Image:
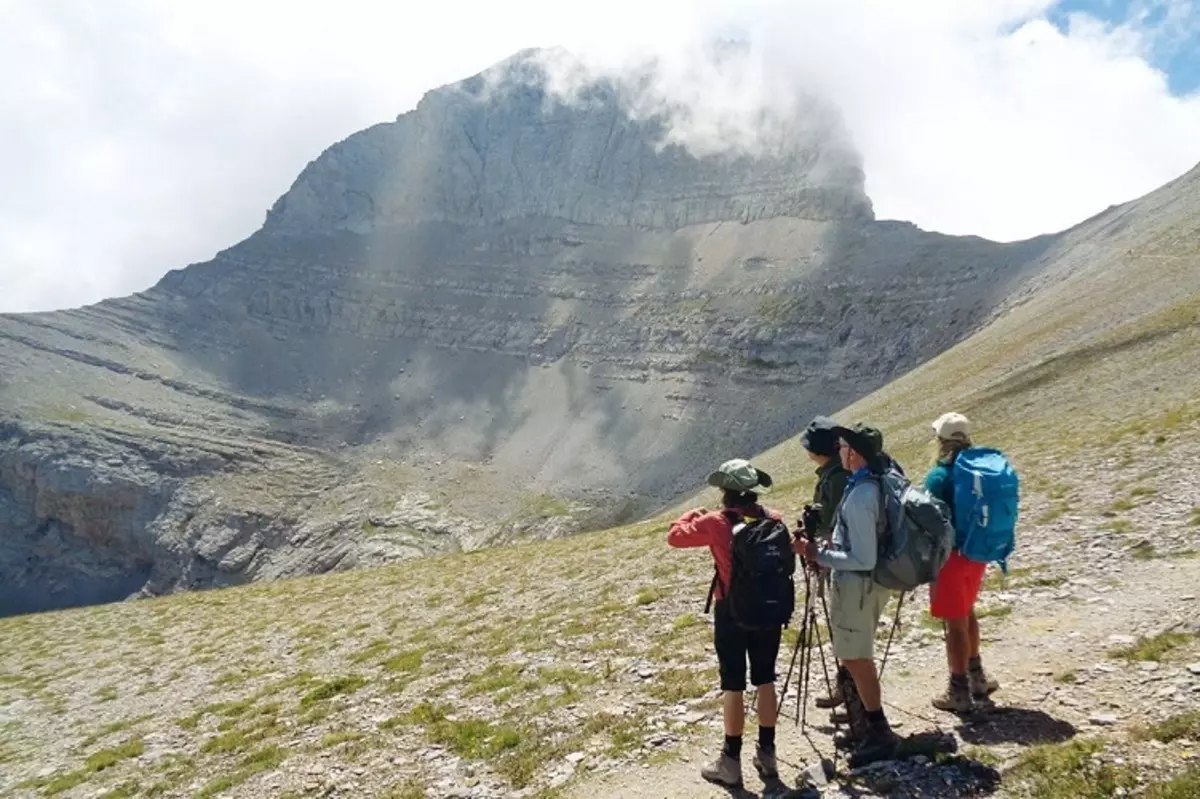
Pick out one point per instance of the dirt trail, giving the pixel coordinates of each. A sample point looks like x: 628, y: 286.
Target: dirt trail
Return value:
x: 1055, y: 631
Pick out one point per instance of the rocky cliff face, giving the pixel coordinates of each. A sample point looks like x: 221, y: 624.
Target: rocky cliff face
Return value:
x: 501, y: 147
x: 498, y: 316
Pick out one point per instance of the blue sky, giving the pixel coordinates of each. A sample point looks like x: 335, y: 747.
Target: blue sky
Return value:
x: 1176, y: 23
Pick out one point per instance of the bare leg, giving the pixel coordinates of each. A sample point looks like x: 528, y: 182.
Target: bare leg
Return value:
x: 767, y: 708
x: 958, y: 644
x: 866, y: 680
x: 735, y: 712
x: 973, y: 631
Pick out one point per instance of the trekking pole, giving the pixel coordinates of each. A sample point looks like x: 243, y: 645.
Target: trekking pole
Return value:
x: 895, y: 625
x: 807, y: 674
x: 796, y: 649
x: 825, y: 666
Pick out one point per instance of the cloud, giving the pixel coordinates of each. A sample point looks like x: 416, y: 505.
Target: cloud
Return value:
x: 136, y: 136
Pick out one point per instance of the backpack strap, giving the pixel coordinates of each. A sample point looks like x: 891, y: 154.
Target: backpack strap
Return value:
x: 734, y: 518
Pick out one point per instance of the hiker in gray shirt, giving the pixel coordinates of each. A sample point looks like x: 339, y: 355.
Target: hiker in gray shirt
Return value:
x: 857, y: 601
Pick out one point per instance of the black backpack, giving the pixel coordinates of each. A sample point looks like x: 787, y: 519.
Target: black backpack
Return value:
x: 761, y: 594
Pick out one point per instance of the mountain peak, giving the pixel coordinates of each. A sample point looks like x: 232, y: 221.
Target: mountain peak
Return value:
x: 537, y: 136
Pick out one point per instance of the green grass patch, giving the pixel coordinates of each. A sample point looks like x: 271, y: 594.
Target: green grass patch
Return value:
x: 372, y: 651
x: 1068, y: 677
x: 687, y: 621
x: 126, y: 790
x: 647, y: 596
x: 266, y: 759
x: 994, y: 612
x: 675, y: 685
x: 1068, y: 771
x: 1119, y: 526
x: 107, y: 694
x: 1185, y: 785
x: 493, y: 680
x: 405, y: 662
x: 107, y: 758
x: 1175, y: 728
x: 1123, y: 505
x: 412, y: 788
x: 95, y: 763
x: 112, y: 729
x: 338, y: 738
x: 1153, y: 648
x: 336, y: 687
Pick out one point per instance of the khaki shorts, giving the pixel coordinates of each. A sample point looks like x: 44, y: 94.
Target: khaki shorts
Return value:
x: 856, y: 603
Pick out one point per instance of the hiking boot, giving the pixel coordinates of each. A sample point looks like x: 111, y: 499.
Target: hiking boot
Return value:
x: 982, y: 686
x: 955, y: 699
x: 879, y: 744
x: 764, y: 763
x: 835, y: 699
x: 725, y: 770
x: 839, y: 717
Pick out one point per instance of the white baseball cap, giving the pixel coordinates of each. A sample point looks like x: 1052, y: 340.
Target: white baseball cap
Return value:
x: 952, y: 427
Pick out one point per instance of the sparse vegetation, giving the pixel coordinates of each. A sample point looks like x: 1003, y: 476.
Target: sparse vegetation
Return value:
x: 1179, y: 727
x: 335, y: 687
x: 1070, y: 771
x: 1152, y: 648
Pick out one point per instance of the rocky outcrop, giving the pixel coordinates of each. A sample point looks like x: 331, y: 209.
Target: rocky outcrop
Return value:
x: 500, y: 316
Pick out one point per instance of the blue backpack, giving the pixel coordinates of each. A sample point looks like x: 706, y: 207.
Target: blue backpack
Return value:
x: 986, y: 497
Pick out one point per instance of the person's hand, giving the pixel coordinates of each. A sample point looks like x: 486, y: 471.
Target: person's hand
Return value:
x: 807, y: 549
x: 694, y: 513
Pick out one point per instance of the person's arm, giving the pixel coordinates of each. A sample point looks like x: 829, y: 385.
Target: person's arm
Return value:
x: 937, y: 483
x: 860, y: 514
x: 692, y: 529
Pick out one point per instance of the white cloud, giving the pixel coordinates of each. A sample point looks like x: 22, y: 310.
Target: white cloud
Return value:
x: 138, y: 136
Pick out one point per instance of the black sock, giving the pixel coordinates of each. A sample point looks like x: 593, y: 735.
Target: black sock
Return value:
x: 959, y: 680
x: 766, y: 739
x: 876, y: 716
x: 975, y: 664
x: 733, y: 746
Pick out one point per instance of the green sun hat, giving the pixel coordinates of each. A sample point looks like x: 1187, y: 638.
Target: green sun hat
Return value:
x: 739, y: 475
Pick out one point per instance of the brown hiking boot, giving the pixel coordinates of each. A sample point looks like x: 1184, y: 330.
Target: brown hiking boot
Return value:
x: 835, y: 699
x: 982, y: 686
x: 955, y: 699
x: 879, y: 744
x: 725, y: 770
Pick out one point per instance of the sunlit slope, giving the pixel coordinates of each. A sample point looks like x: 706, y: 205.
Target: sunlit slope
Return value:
x: 1099, y: 352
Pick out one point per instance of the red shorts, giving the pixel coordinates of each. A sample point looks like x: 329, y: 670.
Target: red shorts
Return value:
x: 957, y: 587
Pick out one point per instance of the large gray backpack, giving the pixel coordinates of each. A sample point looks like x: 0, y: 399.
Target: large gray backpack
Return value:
x: 916, y: 534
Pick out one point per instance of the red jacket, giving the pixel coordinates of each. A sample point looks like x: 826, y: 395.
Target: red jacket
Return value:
x: 713, y: 529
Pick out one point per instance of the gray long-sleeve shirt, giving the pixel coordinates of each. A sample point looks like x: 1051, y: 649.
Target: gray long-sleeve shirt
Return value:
x: 855, y: 536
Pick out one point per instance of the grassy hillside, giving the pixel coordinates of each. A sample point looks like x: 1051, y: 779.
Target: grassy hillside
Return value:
x: 554, y: 667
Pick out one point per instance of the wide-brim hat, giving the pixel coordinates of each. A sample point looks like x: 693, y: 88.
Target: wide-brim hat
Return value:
x: 739, y: 475
x: 863, y: 439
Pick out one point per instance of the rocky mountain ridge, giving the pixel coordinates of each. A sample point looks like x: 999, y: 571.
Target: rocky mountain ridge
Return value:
x: 500, y: 316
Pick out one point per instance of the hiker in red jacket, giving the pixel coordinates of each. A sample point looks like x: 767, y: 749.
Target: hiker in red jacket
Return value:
x: 739, y: 483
